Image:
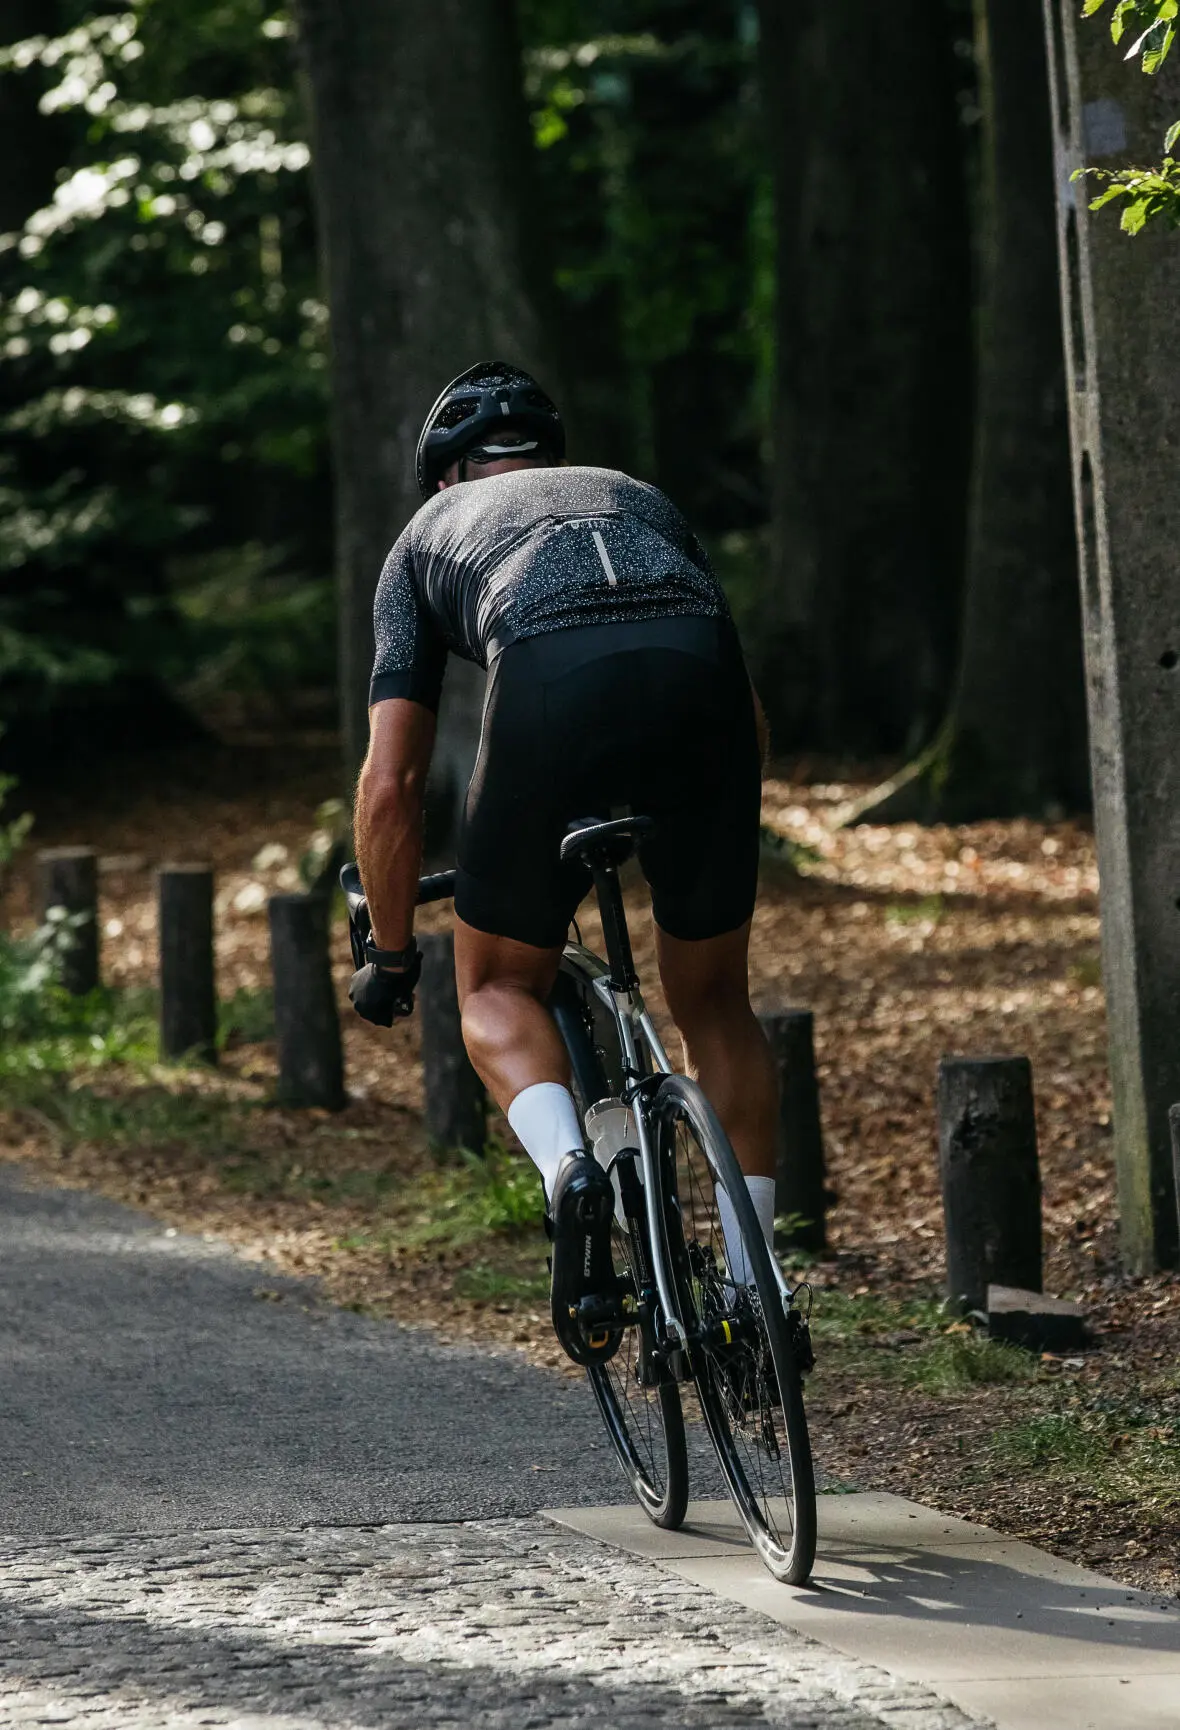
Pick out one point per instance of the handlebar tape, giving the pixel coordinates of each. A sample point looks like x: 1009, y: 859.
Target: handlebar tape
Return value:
x: 440, y: 887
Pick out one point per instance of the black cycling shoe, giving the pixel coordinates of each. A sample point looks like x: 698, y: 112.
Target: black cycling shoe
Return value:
x: 581, y: 1209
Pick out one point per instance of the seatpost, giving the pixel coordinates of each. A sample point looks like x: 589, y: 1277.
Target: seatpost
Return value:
x: 623, y: 976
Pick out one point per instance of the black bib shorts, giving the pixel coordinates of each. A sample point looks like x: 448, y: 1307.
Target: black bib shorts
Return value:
x: 652, y: 717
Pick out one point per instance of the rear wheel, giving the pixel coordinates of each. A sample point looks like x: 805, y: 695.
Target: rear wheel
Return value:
x: 743, y: 1361
x: 638, y: 1399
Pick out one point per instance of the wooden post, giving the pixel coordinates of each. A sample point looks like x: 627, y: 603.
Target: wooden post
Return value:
x: 68, y: 877
x: 188, y: 994
x: 800, y: 1190
x: 1122, y: 343
x: 456, y: 1105
x: 307, y: 1026
x: 991, y: 1181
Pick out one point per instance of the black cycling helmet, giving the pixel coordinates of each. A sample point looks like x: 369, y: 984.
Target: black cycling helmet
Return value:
x: 485, y: 397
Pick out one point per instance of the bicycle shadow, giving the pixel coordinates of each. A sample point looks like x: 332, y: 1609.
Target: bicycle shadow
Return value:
x: 968, y: 1586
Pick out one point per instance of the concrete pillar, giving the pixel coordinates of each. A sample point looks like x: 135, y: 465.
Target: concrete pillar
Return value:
x: 1122, y: 343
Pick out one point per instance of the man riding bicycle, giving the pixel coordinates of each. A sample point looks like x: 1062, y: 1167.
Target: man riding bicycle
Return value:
x: 615, y: 680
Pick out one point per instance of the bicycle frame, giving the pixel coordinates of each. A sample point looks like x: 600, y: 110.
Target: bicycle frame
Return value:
x: 629, y: 1013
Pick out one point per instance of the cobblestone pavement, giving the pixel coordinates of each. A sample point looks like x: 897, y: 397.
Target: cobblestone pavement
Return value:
x: 495, y: 1625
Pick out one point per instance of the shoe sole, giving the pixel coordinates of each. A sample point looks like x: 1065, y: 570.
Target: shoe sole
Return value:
x: 594, y: 1213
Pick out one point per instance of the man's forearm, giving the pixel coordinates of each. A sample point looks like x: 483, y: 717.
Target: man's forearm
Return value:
x: 388, y: 818
x: 388, y: 830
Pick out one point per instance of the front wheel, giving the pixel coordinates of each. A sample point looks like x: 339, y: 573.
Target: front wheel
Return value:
x: 745, y: 1368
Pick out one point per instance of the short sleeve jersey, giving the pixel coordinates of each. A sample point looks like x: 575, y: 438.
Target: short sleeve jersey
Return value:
x: 485, y: 564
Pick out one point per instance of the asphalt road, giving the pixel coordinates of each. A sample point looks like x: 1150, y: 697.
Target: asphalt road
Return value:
x: 144, y: 1386
x: 222, y: 1509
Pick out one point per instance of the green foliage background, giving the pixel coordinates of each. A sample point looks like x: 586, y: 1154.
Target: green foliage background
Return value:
x: 165, y: 493
x: 164, y: 477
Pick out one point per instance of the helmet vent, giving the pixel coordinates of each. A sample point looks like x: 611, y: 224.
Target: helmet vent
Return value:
x: 455, y: 413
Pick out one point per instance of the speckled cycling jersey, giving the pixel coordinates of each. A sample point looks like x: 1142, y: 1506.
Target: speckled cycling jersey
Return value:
x: 493, y: 561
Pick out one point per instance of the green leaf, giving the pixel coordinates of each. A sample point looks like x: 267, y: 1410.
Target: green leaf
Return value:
x: 1171, y: 135
x: 1154, y: 58
x: 1134, y: 216
x: 1118, y: 22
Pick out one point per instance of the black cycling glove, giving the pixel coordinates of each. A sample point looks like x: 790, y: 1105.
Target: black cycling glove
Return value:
x: 382, y: 997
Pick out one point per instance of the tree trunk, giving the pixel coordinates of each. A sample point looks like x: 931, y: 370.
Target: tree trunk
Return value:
x: 1014, y: 741
x: 872, y: 396
x: 1123, y: 363
x: 422, y: 165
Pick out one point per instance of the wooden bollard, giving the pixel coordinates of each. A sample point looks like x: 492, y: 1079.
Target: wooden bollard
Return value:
x: 68, y: 877
x: 456, y: 1105
x: 991, y: 1181
x: 307, y: 1026
x: 188, y: 994
x: 801, y: 1193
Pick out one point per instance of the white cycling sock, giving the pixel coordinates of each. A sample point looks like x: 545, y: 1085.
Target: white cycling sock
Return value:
x: 762, y: 1195
x: 545, y: 1121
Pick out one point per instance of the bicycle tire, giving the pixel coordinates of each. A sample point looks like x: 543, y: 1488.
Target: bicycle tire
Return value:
x: 644, y: 1420
x: 762, y: 1444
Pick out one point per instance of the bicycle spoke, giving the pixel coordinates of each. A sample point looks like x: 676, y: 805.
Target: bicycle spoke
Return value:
x: 764, y: 1457
x: 756, y: 1423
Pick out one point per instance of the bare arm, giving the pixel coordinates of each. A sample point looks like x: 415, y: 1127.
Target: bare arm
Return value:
x: 388, y: 820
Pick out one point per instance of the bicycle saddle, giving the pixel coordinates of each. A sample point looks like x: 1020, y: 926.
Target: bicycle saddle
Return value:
x: 598, y: 843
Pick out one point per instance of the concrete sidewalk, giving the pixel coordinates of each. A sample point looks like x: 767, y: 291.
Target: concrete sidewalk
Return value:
x: 999, y: 1628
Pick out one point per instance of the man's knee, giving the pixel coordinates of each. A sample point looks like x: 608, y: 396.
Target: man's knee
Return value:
x: 490, y: 1014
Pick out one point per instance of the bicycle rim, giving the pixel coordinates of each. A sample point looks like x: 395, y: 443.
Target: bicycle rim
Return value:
x: 642, y: 1415
x: 746, y: 1375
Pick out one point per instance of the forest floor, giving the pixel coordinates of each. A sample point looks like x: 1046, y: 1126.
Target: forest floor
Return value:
x: 906, y: 942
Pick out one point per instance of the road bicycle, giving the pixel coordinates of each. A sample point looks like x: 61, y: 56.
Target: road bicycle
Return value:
x: 675, y: 1316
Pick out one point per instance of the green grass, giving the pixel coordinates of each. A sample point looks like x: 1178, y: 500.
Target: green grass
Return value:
x: 246, y: 1018
x: 839, y: 1318
x: 267, y: 1175
x: 460, y: 1203
x: 927, y: 911
x: 56, y: 1034
x: 953, y: 1362
x: 447, y: 1207
x: 911, y: 1341
x: 1051, y: 1443
x: 142, y: 1116
x: 1117, y: 1449
x: 491, y: 1284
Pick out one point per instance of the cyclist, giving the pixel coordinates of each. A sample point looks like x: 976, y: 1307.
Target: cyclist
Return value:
x: 615, y: 680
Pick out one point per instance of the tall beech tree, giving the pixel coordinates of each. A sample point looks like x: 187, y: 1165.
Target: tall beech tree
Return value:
x: 1014, y: 740
x: 872, y: 404
x: 421, y: 161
